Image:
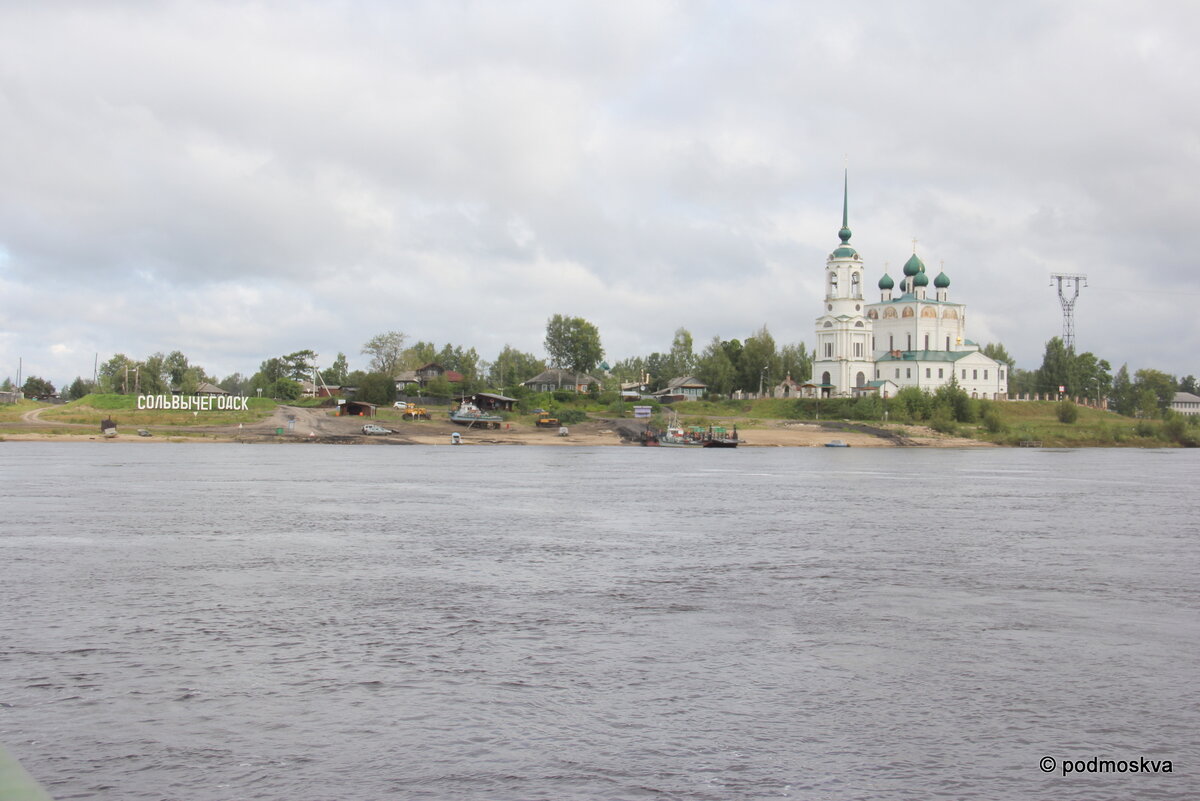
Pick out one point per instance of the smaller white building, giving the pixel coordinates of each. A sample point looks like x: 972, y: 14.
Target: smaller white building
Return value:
x: 1185, y: 403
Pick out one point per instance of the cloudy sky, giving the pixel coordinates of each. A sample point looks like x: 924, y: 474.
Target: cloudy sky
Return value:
x: 240, y: 180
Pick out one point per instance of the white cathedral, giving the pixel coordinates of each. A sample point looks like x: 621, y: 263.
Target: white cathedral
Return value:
x: 909, y: 338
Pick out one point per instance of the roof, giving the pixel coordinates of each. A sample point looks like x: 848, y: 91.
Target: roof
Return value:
x: 926, y: 355
x: 494, y: 396
x: 555, y: 375
x: 686, y: 381
x: 1185, y: 397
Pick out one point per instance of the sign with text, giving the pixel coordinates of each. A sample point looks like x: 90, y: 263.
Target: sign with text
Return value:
x: 194, y: 403
x: 641, y: 412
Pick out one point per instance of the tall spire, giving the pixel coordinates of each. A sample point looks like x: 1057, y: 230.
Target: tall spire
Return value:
x: 844, y: 234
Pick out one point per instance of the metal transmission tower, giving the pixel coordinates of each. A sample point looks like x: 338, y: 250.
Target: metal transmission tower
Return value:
x: 1073, y: 282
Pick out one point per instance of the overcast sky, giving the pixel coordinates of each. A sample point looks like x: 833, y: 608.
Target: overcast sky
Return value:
x: 243, y: 180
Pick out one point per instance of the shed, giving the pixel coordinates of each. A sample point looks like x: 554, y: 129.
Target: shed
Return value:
x: 353, y: 408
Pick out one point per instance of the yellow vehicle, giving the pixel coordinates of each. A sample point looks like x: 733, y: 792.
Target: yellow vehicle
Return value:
x: 544, y: 420
x: 415, y: 413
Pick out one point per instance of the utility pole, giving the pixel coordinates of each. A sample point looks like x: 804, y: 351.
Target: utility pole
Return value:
x: 1073, y: 282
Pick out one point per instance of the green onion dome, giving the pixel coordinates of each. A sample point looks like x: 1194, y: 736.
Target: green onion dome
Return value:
x: 921, y: 279
x: 942, y: 281
x: 913, y: 266
x: 886, y: 282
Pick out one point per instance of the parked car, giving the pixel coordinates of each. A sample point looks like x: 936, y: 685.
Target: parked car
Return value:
x: 371, y: 428
x: 399, y: 405
x: 539, y: 412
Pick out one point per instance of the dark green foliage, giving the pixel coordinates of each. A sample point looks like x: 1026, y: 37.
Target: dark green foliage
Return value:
x: 1066, y: 411
x: 912, y: 404
x: 570, y: 416
x: 377, y: 388
x: 35, y: 387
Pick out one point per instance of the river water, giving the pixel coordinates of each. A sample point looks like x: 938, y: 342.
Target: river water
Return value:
x: 205, y: 621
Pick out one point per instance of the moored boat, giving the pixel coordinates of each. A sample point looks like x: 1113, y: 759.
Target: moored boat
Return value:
x: 470, y: 415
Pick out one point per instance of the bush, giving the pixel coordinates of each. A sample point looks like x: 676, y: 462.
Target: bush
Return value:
x: 1067, y: 412
x: 912, y: 404
x: 942, y: 422
x: 563, y: 395
x: 570, y: 416
x: 1145, y: 428
x: 992, y: 422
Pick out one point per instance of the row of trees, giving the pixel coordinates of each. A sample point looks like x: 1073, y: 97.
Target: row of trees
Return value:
x: 574, y: 344
x: 1147, y: 393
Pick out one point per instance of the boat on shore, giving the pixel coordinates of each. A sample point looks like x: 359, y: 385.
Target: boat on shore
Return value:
x: 470, y: 415
x: 837, y: 443
x: 676, y: 436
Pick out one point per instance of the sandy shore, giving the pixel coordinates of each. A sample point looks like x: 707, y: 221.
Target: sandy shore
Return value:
x: 315, y: 426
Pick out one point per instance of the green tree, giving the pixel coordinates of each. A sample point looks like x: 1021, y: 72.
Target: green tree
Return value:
x: 377, y: 388
x: 116, y: 375
x: 419, y: 355
x: 79, y: 388
x: 298, y: 366
x: 175, y: 364
x: 758, y: 365
x: 998, y: 352
x: 335, y: 374
x: 35, y: 387
x: 716, y: 369
x: 796, y: 361
x: 1188, y: 384
x: 283, y: 389
x: 513, y: 367
x: 236, y: 384
x: 151, y: 377
x: 573, y: 343
x: 1122, y: 398
x: 387, y: 352
x: 1161, y: 385
x: 681, y: 360
x: 1056, y: 366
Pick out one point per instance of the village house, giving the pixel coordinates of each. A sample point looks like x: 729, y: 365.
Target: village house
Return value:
x: 554, y: 379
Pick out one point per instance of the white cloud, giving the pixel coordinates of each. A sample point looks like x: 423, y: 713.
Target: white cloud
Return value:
x: 240, y: 181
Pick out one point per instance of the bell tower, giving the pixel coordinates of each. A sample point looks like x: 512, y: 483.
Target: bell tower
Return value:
x: 842, y: 360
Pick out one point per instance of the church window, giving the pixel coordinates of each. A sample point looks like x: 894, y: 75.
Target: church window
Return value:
x: 940, y: 373
x: 964, y: 375
x: 873, y: 344
x: 828, y: 350
x: 897, y: 372
x: 909, y: 342
x: 828, y: 324
x: 861, y: 380
x: 833, y: 283
x: 858, y: 350
x: 855, y: 286
x: 859, y: 324
x: 947, y: 343
x: 929, y: 372
x: 985, y: 375
x: 974, y: 375
x: 877, y: 374
x: 891, y: 342
x: 1001, y: 375
x: 908, y: 372
x: 927, y: 342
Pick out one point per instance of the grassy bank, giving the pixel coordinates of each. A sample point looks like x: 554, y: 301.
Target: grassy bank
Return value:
x: 91, y: 409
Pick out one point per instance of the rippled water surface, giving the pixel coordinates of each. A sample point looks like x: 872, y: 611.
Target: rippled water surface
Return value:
x: 328, y: 622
